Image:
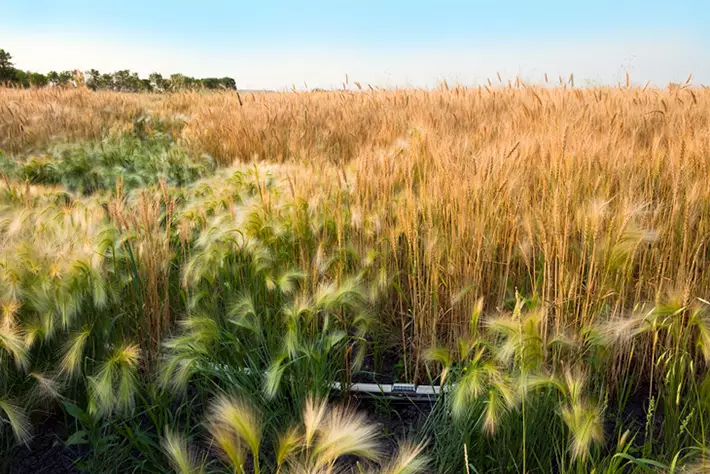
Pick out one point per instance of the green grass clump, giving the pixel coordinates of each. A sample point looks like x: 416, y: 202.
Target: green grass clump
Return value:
x: 136, y: 160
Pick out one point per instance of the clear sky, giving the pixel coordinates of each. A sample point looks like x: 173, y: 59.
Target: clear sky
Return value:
x: 277, y: 44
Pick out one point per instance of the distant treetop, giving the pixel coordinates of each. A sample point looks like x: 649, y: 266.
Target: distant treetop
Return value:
x: 123, y: 80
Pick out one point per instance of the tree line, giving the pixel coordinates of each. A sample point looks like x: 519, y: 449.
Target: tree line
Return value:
x: 123, y: 80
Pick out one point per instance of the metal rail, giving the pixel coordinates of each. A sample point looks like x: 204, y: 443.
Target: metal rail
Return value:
x: 394, y: 391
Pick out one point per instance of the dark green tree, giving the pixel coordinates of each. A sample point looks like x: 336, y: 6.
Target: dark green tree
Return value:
x: 211, y: 83
x: 59, y: 78
x: 121, y: 80
x: 219, y: 83
x: 7, y: 68
x: 106, y: 81
x: 229, y: 83
x: 178, y: 81
x: 53, y: 78
x: 158, y: 82
x: 5, y: 59
x: 146, y: 85
x: 19, y: 78
x: 37, y: 79
x: 65, y: 77
x: 94, y: 80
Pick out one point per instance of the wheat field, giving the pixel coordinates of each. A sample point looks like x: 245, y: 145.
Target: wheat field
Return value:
x: 570, y: 210
x: 594, y: 200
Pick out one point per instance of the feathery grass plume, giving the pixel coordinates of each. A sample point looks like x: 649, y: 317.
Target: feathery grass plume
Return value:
x: 9, y: 308
x: 362, y: 322
x: 583, y: 419
x: 203, y: 331
x: 12, y: 342
x: 345, y: 432
x: 37, y: 329
x: 408, y: 460
x: 273, y: 377
x: 699, y: 320
x: 473, y: 384
x: 179, y: 368
x: 509, y: 328
x: 287, y: 282
x: 287, y: 445
x: 443, y: 357
x: 230, y: 446
x: 184, y: 352
x: 585, y: 424
x: 73, y: 352
x: 623, y: 330
x: 67, y: 303
x: 242, y: 313
x: 47, y: 388
x: 522, y: 338
x: 232, y: 421
x: 574, y: 383
x: 114, y: 386
x: 181, y: 458
x: 16, y: 417
x: 500, y: 398
x: 292, y: 314
x: 344, y: 295
x: 483, y: 384
x: 327, y: 436
x: 314, y: 413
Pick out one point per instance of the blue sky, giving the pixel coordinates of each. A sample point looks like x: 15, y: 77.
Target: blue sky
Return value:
x: 276, y: 44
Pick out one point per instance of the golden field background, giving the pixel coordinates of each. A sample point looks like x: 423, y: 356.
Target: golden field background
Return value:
x: 592, y: 201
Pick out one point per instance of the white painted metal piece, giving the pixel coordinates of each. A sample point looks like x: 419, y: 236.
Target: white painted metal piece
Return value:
x: 397, y: 390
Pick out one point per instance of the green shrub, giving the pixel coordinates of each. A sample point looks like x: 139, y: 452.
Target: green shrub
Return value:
x: 135, y: 160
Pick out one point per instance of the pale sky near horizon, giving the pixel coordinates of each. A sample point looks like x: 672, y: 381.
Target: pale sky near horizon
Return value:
x: 277, y: 44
